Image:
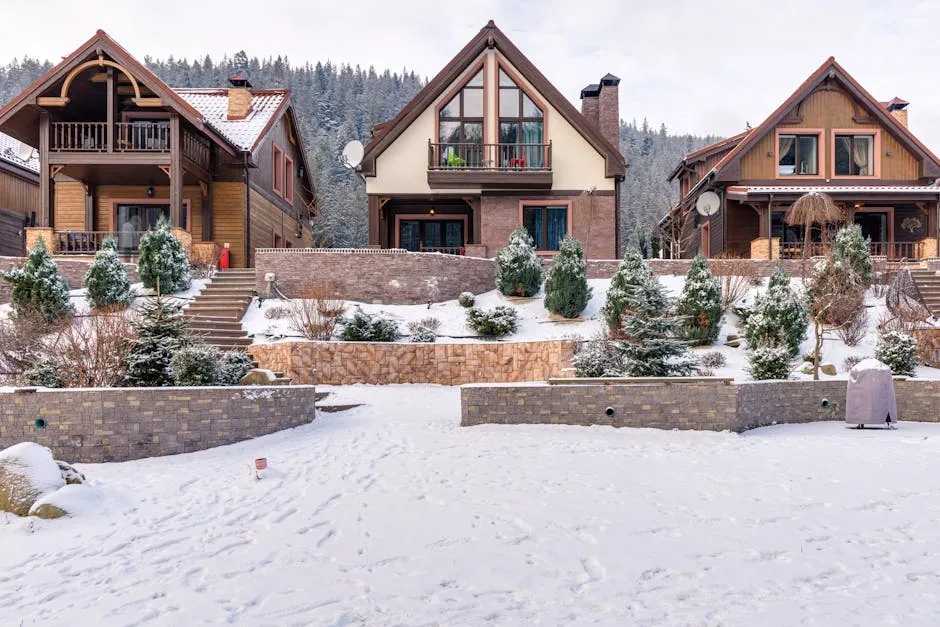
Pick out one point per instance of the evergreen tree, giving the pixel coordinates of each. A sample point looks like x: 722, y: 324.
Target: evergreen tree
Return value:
x: 566, y: 287
x: 631, y: 272
x: 852, y: 248
x: 196, y: 365
x: 163, y: 260
x: 779, y: 317
x: 106, y: 279
x: 518, y: 269
x: 38, y: 288
x: 162, y: 331
x: 699, y: 305
x: 651, y: 348
x: 899, y: 352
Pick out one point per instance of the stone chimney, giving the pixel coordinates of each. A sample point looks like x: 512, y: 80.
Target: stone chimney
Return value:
x: 898, y: 108
x: 590, y: 102
x: 608, y: 110
x: 239, y: 97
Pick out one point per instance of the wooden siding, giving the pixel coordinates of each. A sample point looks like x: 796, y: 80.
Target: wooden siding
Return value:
x: 105, y: 195
x: 263, y: 174
x: 228, y: 224
x: 829, y: 110
x: 69, y: 206
x: 12, y: 237
x: 743, y: 225
x: 268, y: 220
x: 18, y: 195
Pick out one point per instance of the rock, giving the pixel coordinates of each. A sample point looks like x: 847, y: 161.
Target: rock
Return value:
x: 70, y: 475
x: 69, y: 500
x: 806, y: 368
x: 732, y: 337
x: 47, y: 511
x: 27, y: 473
x: 258, y: 376
x: 829, y: 369
x: 734, y: 343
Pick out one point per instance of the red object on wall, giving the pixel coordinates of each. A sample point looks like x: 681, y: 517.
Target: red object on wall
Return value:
x: 224, y: 259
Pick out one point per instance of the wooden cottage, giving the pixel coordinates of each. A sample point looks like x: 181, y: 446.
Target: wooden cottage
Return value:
x: 19, y: 193
x: 830, y: 136
x: 118, y: 149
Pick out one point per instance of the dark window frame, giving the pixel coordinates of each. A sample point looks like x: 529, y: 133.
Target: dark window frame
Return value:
x: 796, y: 153
x: 853, y: 136
x: 544, y: 207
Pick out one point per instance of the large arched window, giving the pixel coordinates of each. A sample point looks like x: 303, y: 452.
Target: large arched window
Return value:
x: 520, y: 126
x: 460, y: 126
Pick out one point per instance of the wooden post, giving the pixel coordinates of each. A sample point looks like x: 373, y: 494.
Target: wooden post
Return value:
x: 110, y: 109
x: 90, y: 208
x: 207, y: 212
x: 176, y: 173
x: 770, y: 227
x: 45, y: 180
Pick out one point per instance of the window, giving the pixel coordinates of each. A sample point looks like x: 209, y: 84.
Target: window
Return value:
x: 288, y: 179
x: 460, y: 126
x: 278, y: 171
x: 797, y: 155
x: 546, y: 224
x: 855, y: 155
x: 520, y: 126
x: 417, y: 235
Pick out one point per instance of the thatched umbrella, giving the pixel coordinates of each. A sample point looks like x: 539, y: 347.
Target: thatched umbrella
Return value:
x: 813, y: 208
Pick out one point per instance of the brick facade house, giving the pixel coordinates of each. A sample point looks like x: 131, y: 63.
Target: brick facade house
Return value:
x: 490, y: 145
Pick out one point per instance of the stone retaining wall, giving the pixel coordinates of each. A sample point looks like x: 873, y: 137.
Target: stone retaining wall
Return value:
x: 703, y: 406
x: 119, y: 424
x: 344, y: 363
x: 71, y: 268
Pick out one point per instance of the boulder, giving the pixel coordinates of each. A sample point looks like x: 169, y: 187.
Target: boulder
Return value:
x: 829, y: 369
x: 258, y: 376
x: 732, y: 337
x: 27, y: 473
x: 69, y: 473
x: 733, y: 343
x: 47, y: 511
x: 69, y: 500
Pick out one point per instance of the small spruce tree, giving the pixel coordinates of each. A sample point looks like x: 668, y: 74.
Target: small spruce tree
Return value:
x: 195, y: 365
x: 163, y: 260
x: 699, y: 304
x: 631, y: 272
x: 566, y: 288
x: 106, y: 279
x: 852, y: 248
x: 162, y: 331
x: 518, y: 269
x: 779, y: 317
x: 770, y: 362
x: 651, y: 348
x: 38, y: 288
x: 898, y: 351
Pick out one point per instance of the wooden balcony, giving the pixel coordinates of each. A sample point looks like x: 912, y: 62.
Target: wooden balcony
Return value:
x: 489, y: 166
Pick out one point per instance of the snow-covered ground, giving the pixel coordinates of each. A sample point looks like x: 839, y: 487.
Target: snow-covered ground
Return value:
x: 391, y: 514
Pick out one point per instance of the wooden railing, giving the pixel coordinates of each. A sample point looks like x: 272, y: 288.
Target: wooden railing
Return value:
x: 446, y: 250
x: 142, y: 137
x: 78, y: 136
x: 501, y: 157
x: 892, y: 250
x: 90, y: 242
x: 196, y: 148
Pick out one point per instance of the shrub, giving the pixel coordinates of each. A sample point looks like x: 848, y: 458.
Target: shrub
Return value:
x: 632, y: 272
x: 849, y: 362
x: 196, y: 365
x: 366, y: 327
x: 497, y: 322
x: 233, y: 365
x: 597, y: 357
x: 778, y: 317
x: 854, y: 330
x: 466, y: 299
x: 852, y: 248
x: 93, y: 350
x: 566, y: 288
x: 518, y: 269
x: 704, y: 371
x: 699, y: 306
x: 713, y: 359
x: 204, y: 259
x: 317, y: 312
x: 45, y: 372
x: 424, y: 330
x: 162, y: 331
x: 106, y: 279
x: 39, y: 291
x: 735, y: 275
x: 278, y: 312
x: 650, y: 347
x: 770, y: 362
x: 162, y: 261
x: 20, y: 339
x: 899, y: 351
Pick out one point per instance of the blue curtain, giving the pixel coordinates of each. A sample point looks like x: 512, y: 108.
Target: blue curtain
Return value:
x: 532, y: 134
x: 532, y: 220
x: 557, y: 226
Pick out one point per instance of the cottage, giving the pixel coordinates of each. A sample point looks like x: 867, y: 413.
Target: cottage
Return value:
x: 490, y: 145
x: 19, y: 193
x: 118, y: 149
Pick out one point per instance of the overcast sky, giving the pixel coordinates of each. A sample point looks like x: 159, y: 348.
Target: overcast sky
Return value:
x: 701, y: 66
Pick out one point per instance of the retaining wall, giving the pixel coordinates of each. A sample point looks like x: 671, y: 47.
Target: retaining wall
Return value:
x: 344, y: 363
x: 119, y: 424
x: 703, y: 406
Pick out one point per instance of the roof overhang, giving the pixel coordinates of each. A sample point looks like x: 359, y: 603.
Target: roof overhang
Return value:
x: 846, y: 192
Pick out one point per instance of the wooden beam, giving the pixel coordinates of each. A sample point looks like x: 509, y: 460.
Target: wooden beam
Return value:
x: 148, y: 102
x: 51, y: 101
x: 110, y: 109
x: 89, y: 208
x: 54, y: 170
x: 45, y: 181
x: 165, y: 169
x: 176, y: 172
x: 206, y: 211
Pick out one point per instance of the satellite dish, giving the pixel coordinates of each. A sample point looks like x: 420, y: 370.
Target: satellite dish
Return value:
x: 24, y: 152
x: 352, y: 154
x: 708, y: 204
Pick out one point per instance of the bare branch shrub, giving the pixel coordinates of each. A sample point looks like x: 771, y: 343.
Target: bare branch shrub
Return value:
x: 20, y: 340
x: 92, y: 351
x: 316, y: 313
x: 278, y: 312
x: 736, y: 276
x: 204, y: 259
x: 855, y: 328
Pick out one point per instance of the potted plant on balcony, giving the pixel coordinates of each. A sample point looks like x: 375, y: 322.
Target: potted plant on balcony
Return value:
x: 453, y: 161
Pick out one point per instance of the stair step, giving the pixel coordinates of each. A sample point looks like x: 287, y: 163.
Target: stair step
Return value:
x: 220, y: 333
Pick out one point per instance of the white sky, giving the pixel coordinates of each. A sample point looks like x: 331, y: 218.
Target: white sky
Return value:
x: 703, y: 66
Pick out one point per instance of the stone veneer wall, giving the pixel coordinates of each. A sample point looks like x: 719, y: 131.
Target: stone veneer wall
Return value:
x: 72, y: 269
x: 344, y: 363
x: 119, y: 424
x: 712, y: 406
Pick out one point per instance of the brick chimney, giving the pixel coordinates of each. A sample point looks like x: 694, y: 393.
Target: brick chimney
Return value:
x: 608, y: 110
x: 590, y: 102
x: 239, y: 97
x: 898, y: 109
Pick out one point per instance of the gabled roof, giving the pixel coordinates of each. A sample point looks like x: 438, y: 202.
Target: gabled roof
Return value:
x: 706, y: 151
x: 10, y: 153
x: 212, y: 104
x: 830, y: 70
x: 491, y: 37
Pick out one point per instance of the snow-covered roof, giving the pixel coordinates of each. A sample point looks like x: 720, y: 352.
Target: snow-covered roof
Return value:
x: 213, y: 105
x: 10, y: 152
x: 836, y: 189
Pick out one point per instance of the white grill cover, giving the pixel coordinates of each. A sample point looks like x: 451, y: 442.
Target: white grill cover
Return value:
x: 870, y: 399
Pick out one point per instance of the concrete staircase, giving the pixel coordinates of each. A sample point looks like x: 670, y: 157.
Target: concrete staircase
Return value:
x: 928, y: 284
x: 216, y: 313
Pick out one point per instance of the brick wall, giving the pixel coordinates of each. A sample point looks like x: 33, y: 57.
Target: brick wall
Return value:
x: 72, y: 269
x: 716, y: 407
x: 120, y: 424
x: 344, y: 363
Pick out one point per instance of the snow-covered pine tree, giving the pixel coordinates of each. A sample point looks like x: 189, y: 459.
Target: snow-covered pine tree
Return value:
x: 162, y: 331
x: 852, y: 248
x: 162, y: 259
x: 106, y: 279
x: 779, y: 317
x: 898, y: 351
x: 38, y: 289
x: 631, y: 272
x: 518, y: 269
x: 651, y: 348
x: 699, y: 307
x: 566, y: 288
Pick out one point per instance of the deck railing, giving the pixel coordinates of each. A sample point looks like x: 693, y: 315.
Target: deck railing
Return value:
x: 196, y: 148
x: 78, y: 136
x: 142, y: 136
x: 892, y: 250
x: 499, y: 157
x: 90, y: 242
x: 446, y: 250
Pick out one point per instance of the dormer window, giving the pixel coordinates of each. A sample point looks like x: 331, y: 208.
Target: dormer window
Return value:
x: 798, y: 155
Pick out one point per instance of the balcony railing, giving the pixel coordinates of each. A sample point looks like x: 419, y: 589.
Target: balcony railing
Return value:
x: 90, y: 242
x: 446, y: 250
x: 493, y: 157
x: 142, y: 136
x: 93, y: 137
x: 892, y: 250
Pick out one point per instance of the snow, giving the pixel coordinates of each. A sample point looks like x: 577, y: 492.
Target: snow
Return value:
x: 36, y: 463
x: 76, y: 499
x: 392, y: 514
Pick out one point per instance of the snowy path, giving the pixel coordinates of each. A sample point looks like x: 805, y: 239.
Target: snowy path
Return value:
x: 392, y: 514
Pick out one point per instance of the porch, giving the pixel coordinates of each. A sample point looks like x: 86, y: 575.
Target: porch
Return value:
x: 445, y: 225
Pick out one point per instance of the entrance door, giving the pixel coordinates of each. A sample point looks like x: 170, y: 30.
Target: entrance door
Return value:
x: 875, y: 228
x: 417, y: 235
x: 133, y: 220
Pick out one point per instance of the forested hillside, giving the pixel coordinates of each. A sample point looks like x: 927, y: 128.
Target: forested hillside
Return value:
x: 337, y: 103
